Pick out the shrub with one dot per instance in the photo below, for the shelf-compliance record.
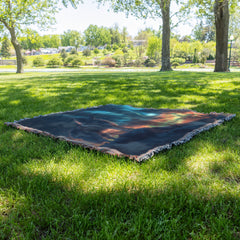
(24, 60)
(138, 62)
(105, 52)
(109, 61)
(74, 51)
(97, 62)
(76, 62)
(86, 52)
(96, 50)
(118, 52)
(178, 60)
(63, 54)
(150, 62)
(126, 59)
(125, 50)
(68, 60)
(115, 46)
(38, 62)
(119, 60)
(109, 48)
(175, 64)
(73, 61)
(203, 59)
(54, 62)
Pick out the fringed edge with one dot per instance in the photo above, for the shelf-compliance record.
(187, 137)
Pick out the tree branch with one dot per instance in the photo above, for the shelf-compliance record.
(5, 23)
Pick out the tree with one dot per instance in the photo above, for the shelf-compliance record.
(154, 48)
(5, 49)
(144, 35)
(205, 32)
(97, 36)
(124, 35)
(234, 25)
(72, 38)
(115, 35)
(31, 41)
(144, 9)
(221, 10)
(15, 15)
(51, 41)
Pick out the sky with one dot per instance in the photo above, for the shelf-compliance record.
(88, 13)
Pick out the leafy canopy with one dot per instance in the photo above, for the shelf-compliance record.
(21, 13)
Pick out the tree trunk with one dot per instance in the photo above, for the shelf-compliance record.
(17, 48)
(221, 12)
(165, 8)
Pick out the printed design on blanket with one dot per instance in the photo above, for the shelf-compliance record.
(136, 133)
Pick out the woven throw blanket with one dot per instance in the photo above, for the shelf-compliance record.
(122, 130)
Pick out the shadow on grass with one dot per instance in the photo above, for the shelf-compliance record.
(49, 208)
(111, 198)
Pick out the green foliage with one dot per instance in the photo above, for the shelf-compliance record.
(51, 41)
(140, 51)
(97, 62)
(5, 49)
(118, 52)
(126, 59)
(115, 47)
(145, 35)
(97, 36)
(31, 40)
(154, 48)
(24, 60)
(175, 64)
(205, 33)
(234, 25)
(124, 35)
(150, 62)
(71, 38)
(109, 47)
(115, 35)
(54, 62)
(138, 62)
(74, 51)
(192, 50)
(178, 60)
(105, 51)
(63, 54)
(68, 60)
(109, 62)
(73, 61)
(125, 50)
(77, 62)
(17, 14)
(96, 50)
(119, 60)
(38, 62)
(195, 57)
(86, 52)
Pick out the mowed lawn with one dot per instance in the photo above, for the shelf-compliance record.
(53, 190)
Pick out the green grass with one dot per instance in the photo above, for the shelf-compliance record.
(53, 190)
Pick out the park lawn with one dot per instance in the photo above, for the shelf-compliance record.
(53, 190)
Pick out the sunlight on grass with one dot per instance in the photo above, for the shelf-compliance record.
(51, 189)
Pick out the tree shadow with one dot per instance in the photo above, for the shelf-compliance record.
(51, 209)
(162, 198)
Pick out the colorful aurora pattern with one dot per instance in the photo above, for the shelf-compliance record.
(123, 130)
